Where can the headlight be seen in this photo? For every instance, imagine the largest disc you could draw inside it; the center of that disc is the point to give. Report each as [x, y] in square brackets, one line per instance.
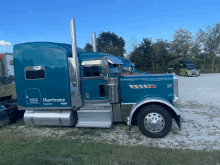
[176, 100]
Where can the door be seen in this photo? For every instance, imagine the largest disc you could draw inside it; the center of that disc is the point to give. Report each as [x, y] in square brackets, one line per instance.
[94, 84]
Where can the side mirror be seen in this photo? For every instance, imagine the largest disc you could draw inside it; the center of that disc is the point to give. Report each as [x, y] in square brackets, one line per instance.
[130, 70]
[120, 71]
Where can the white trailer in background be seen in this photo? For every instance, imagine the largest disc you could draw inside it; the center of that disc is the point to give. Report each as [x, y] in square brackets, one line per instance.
[7, 59]
[9, 67]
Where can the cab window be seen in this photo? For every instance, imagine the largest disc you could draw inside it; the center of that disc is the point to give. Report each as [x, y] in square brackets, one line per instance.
[91, 71]
[34, 72]
[113, 68]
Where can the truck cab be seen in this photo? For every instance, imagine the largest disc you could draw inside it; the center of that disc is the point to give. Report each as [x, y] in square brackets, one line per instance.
[59, 85]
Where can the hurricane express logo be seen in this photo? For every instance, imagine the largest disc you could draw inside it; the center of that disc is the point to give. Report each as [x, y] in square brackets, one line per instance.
[53, 100]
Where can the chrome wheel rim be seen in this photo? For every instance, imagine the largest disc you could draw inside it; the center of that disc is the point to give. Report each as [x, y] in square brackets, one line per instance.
[154, 122]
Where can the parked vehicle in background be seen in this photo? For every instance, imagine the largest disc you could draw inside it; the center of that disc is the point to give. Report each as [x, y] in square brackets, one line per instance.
[187, 68]
[128, 68]
[170, 70]
[6, 68]
[7, 63]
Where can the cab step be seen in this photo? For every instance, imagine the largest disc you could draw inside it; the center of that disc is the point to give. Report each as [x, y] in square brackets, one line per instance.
[99, 116]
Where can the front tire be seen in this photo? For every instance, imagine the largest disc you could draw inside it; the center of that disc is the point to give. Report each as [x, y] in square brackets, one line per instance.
[186, 75]
[154, 121]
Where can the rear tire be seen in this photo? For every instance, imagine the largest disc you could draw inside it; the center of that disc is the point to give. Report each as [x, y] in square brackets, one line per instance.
[154, 121]
[186, 75]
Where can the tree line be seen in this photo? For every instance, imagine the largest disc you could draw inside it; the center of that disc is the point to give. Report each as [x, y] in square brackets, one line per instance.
[159, 56]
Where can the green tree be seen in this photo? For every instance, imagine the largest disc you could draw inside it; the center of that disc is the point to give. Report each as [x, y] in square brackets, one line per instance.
[196, 50]
[88, 47]
[210, 40]
[161, 54]
[183, 41]
[142, 56]
[110, 43]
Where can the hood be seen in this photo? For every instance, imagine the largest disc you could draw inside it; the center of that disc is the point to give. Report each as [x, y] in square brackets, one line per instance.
[137, 87]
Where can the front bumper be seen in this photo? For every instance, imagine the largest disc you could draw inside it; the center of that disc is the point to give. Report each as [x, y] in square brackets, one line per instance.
[176, 102]
[193, 74]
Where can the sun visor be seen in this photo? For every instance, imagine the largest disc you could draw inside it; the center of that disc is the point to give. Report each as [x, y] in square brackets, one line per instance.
[114, 60]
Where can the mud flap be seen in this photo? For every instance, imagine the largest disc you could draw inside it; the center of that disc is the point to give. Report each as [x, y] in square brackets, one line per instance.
[178, 120]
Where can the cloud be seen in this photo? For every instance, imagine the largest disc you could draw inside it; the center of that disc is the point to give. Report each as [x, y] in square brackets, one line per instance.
[2, 42]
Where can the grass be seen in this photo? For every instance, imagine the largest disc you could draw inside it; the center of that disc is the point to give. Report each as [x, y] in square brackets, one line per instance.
[20, 150]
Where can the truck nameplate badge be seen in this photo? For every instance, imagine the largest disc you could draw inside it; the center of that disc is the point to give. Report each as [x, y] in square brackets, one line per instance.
[142, 86]
[169, 85]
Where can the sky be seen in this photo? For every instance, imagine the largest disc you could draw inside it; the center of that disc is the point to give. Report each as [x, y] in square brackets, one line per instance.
[29, 21]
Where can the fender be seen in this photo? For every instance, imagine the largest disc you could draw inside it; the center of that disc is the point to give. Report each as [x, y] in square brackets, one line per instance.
[177, 113]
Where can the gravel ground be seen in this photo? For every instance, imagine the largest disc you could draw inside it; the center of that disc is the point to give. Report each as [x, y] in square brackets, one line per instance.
[200, 100]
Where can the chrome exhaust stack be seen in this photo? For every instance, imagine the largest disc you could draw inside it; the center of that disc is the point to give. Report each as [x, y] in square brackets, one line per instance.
[76, 94]
[94, 42]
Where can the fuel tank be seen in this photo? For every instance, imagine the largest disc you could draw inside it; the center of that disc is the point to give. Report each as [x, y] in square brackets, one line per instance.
[50, 118]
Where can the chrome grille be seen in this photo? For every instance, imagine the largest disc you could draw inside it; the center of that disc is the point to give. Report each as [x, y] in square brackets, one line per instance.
[193, 72]
[175, 86]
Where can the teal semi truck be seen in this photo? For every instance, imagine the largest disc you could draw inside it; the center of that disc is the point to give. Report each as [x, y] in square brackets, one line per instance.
[61, 85]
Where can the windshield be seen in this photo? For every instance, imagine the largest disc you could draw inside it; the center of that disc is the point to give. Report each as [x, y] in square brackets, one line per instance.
[113, 68]
[190, 67]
